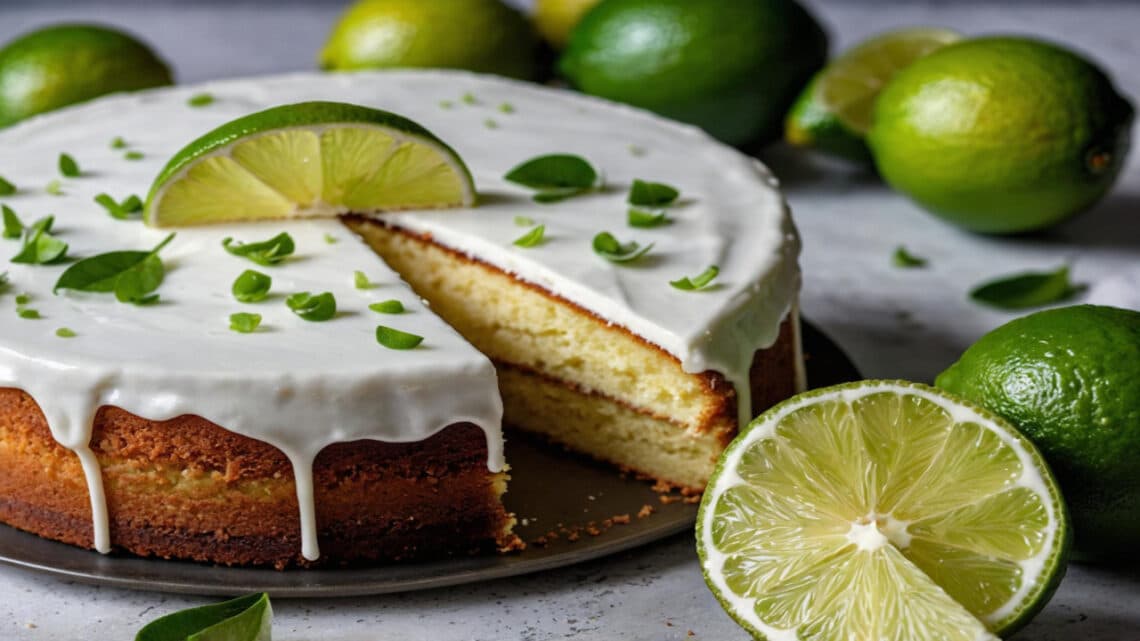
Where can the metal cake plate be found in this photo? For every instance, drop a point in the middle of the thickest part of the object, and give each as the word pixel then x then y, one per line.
pixel 550 491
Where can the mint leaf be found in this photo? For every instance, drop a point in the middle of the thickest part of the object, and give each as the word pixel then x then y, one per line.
pixel 1031 289
pixel 608 247
pixel 269 252
pixel 903 258
pixel 13 227
pixel 200 100
pixel 651 194
pixel 392 306
pixel 247 618
pixel 696 282
pixel 251 286
pixel 130 208
pixel 68 167
pixel 555 177
pixel 647 219
pixel 321 307
pixel 40 247
pixel 532 238
pixel 244 323
pixel 131 275
pixel 6 188
pixel 395 339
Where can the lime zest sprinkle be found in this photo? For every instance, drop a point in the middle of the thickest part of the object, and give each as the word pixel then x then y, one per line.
pixel 391 306
pixel 532 238
pixel 65 332
pixel 360 280
pixel 244 322
pixel 134 155
pixel 118 143
pixel 469 99
pixel 130 208
pixel 644 193
pixel 28 313
pixel 251 286
pixel 55 188
pixel 610 248
pixel 68 167
pixel 523 221
pixel 13 227
pixel 331 240
pixel 507 108
pixel 647 219
pixel 319 308
pixel 696 283
pixel 395 339
pixel 6 188
pixel 905 259
pixel 266 253
pixel 201 100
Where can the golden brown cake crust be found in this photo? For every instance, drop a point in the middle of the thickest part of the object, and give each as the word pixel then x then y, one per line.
pixel 189 489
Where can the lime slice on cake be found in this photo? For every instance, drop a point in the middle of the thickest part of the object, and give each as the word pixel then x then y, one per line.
pixel 312 159
pixel 881 510
pixel 834 112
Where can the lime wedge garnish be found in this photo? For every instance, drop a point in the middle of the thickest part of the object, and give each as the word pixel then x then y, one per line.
pixel 312 159
pixel 834 111
pixel 881 510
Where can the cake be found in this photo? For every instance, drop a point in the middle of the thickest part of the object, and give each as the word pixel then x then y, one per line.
pixel 157 431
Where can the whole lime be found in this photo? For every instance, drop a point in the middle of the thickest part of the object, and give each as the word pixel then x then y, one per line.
pixel 478 35
pixel 65 64
pixel 555 19
pixel 732 67
pixel 1069 378
pixel 1002 134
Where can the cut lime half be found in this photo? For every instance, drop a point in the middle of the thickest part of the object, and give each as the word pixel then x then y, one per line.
pixel 881 510
pixel 307 160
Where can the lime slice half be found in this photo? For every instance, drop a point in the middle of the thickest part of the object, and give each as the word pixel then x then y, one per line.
pixel 312 159
pixel 834 111
pixel 881 510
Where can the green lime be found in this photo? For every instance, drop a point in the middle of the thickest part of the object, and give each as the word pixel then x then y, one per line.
pixel 65 64
pixel 834 112
pixel 555 19
pixel 1069 378
pixel 731 67
pixel 881 510
pixel 1001 135
pixel 310 159
pixel 478 35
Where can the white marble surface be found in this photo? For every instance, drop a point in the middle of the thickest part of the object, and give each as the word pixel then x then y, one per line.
pixel 895 323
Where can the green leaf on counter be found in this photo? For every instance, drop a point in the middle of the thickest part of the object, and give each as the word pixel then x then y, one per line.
pixel 1023 291
pixel 247 618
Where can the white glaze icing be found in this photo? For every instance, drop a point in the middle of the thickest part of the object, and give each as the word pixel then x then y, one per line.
pixel 301 386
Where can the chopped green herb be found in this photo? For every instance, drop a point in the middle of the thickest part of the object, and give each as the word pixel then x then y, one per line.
pixel 118 143
pixel 321 307
pixel 6 188
pixel 244 323
pixel 697 282
pixel 446 104
pixel 330 239
pixel 647 219
pixel 55 188
pixel 651 194
pixel 490 123
pixel 268 252
pixel 126 210
pixel 523 221
pixel 532 238
pixel 903 258
pixel 23 299
pixel 13 227
pixel 360 280
pixel 29 314
pixel 637 150
pixel 1022 291
pixel 68 167
pixel 392 306
pixel 507 108
pixel 395 339
pixel 3 282
pixel 134 155
pixel 469 98
pixel 247 618
pixel 40 247
pixel 65 332
pixel 555 177
pixel 251 286
pixel 201 100
pixel 608 247
pixel 132 276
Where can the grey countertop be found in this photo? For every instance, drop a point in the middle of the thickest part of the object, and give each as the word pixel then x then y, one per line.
pixel 895 323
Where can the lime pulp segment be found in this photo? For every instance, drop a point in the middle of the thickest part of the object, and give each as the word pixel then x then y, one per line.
pixel 315 159
pixel 881 510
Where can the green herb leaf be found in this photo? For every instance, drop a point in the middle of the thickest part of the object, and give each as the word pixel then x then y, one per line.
pixel 395 339
pixel 267 253
pixel 905 259
pixel 330 239
pixel 647 219
pixel 360 280
pixel 469 99
pixel 251 286
pixel 126 210
pixel 247 618
pixel 532 238
pixel 40 247
pixel 6 188
pixel 3 282
pixel 651 194
pixel 507 108
pixel 244 323
pixel 55 188
pixel 118 143
pixel 65 332
pixel 134 155
pixel 392 306
pixel 523 221
pixel 555 177
pixel 321 307
pixel 608 247
pixel 29 314
pixel 68 167
pixel 13 227
pixel 201 100
pixel 131 275
pixel 697 282
pixel 1022 291
pixel 23 299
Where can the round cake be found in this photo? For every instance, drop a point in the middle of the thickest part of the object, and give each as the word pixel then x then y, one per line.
pixel 156 430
